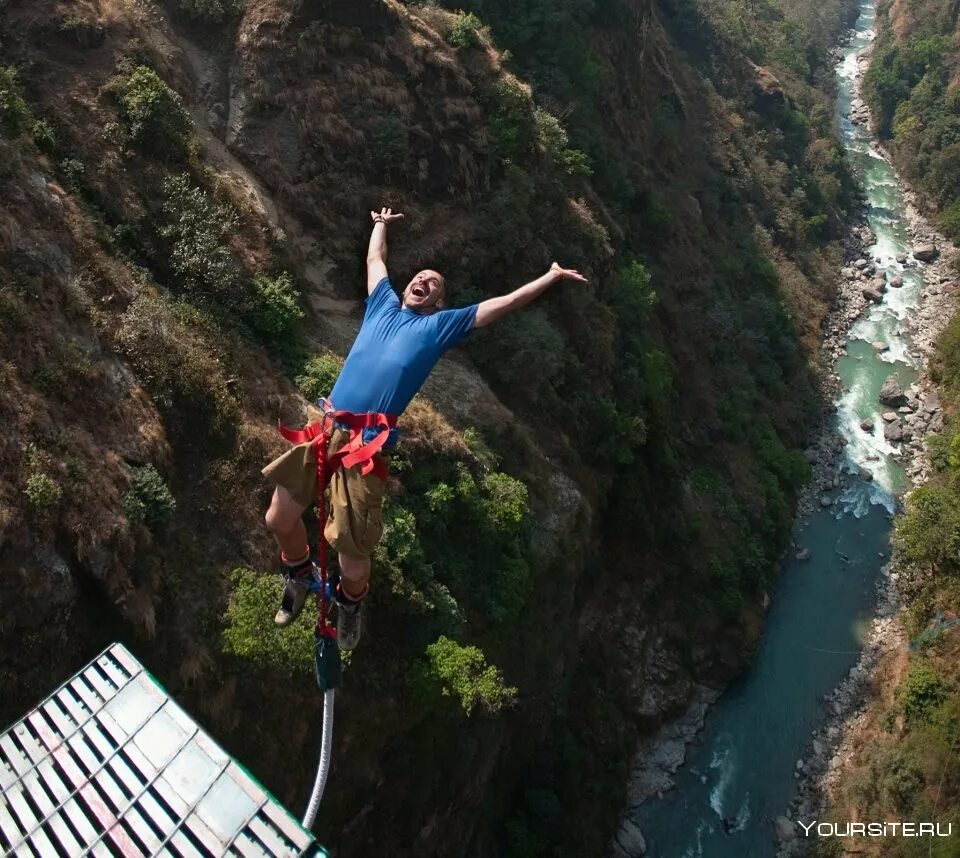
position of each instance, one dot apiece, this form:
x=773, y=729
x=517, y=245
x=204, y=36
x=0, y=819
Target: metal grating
x=109, y=765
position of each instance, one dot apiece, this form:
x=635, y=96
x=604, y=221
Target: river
x=743, y=767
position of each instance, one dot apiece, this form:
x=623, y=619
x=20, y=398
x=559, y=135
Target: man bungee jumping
x=398, y=344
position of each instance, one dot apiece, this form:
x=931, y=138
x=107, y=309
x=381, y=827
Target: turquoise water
x=743, y=767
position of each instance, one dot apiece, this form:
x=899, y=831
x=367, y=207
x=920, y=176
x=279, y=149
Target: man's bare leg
x=285, y=521
x=354, y=575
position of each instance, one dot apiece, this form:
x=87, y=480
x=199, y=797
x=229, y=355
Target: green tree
x=463, y=672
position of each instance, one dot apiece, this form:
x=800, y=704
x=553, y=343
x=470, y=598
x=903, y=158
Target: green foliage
x=463, y=672
x=44, y=137
x=318, y=377
x=391, y=143
x=154, y=115
x=43, y=492
x=149, y=500
x=14, y=113
x=511, y=124
x=250, y=633
x=552, y=136
x=200, y=230
x=175, y=353
x=517, y=343
x=634, y=295
x=274, y=310
x=213, y=11
x=921, y=692
x=505, y=501
x=928, y=534
x=465, y=31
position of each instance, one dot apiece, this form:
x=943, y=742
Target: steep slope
x=594, y=494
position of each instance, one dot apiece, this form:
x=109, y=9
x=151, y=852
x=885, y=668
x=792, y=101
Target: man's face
x=425, y=293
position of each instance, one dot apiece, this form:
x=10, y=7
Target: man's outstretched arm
x=377, y=250
x=493, y=308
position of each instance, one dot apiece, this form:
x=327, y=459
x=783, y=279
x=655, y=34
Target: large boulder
x=872, y=294
x=925, y=252
x=785, y=829
x=897, y=282
x=893, y=432
x=629, y=842
x=891, y=393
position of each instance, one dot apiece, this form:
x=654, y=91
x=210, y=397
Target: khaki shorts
x=355, y=508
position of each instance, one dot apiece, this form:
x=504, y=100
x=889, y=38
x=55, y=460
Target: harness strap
x=354, y=452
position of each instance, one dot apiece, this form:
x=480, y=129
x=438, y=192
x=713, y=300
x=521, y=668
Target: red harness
x=354, y=452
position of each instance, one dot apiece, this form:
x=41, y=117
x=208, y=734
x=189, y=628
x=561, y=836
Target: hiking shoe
x=298, y=579
x=349, y=623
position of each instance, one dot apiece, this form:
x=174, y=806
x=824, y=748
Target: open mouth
x=419, y=291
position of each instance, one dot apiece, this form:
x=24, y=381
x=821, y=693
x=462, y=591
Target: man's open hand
x=385, y=215
x=566, y=273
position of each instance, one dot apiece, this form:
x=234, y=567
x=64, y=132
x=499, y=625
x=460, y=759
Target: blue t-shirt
x=394, y=353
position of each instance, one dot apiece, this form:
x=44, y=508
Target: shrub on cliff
x=921, y=692
x=213, y=11
x=14, y=113
x=274, y=310
x=250, y=633
x=465, y=31
x=154, y=114
x=928, y=534
x=149, y=500
x=462, y=672
x=318, y=376
x=200, y=229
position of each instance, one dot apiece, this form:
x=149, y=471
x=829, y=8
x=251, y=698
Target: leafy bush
x=199, y=230
x=174, y=353
x=44, y=136
x=511, y=124
x=505, y=501
x=465, y=31
x=42, y=491
x=14, y=113
x=552, y=136
x=463, y=672
x=928, y=534
x=213, y=11
x=921, y=692
x=391, y=143
x=274, y=310
x=250, y=633
x=518, y=342
x=318, y=377
x=149, y=500
x=155, y=117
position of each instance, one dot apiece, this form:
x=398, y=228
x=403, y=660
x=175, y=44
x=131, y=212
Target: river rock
x=848, y=273
x=891, y=393
x=889, y=416
x=784, y=828
x=880, y=346
x=897, y=282
x=825, y=501
x=931, y=402
x=925, y=252
x=879, y=283
x=893, y=432
x=861, y=264
x=864, y=474
x=901, y=258
x=803, y=554
x=872, y=294
x=629, y=842
x=866, y=425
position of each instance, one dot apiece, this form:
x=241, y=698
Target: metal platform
x=109, y=765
